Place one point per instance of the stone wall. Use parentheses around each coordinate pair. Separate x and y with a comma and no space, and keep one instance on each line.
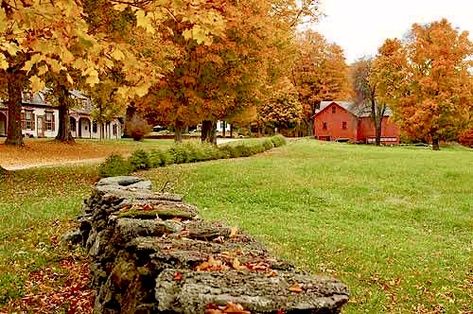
(151,253)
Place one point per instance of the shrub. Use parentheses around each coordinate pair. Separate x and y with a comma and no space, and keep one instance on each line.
(268,144)
(139,160)
(229,151)
(137,128)
(278,140)
(244,150)
(205,151)
(160,158)
(195,151)
(179,153)
(114,165)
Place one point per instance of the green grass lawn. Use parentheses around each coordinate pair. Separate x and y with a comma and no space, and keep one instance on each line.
(393,223)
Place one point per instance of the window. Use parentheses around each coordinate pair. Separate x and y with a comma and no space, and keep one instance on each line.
(94,127)
(27,120)
(334,109)
(49,121)
(324,126)
(344,125)
(28,96)
(115,130)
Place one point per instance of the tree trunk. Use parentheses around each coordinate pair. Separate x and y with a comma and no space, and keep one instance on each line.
(178,128)
(311,121)
(130,112)
(378,126)
(231,130)
(15,85)
(435,143)
(310,128)
(64,134)
(377,114)
(209,129)
(224,127)
(3,172)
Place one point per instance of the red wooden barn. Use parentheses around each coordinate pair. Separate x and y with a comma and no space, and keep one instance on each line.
(343,121)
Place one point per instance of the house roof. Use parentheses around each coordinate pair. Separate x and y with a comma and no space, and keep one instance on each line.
(357,110)
(39,99)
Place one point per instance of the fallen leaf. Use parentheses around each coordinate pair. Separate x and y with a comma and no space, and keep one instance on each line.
(178,276)
(233,232)
(296,288)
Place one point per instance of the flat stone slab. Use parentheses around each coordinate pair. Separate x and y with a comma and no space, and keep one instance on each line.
(119,181)
(192,292)
(152,253)
(129,229)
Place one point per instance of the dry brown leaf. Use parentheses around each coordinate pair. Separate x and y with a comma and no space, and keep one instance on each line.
(212,265)
(297,288)
(233,308)
(236,264)
(233,232)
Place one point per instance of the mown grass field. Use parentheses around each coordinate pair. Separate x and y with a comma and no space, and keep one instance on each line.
(395,224)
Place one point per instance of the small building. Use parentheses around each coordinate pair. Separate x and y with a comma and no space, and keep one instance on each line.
(343,121)
(39,119)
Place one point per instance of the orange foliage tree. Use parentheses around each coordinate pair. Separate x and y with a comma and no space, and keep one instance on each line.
(319,73)
(224,78)
(430,86)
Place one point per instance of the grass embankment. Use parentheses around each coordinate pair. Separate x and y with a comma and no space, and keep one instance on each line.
(393,223)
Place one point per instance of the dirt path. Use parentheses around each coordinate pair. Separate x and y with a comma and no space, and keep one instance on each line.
(22,166)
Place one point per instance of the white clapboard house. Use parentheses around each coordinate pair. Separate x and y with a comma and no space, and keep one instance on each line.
(40,119)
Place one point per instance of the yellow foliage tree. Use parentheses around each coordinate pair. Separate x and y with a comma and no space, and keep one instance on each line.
(319,73)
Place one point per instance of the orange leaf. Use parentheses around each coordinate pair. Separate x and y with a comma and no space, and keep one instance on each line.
(233,232)
(297,288)
(178,276)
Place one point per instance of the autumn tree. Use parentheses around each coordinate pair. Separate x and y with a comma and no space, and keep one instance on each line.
(366,98)
(210,82)
(221,79)
(319,73)
(107,104)
(283,110)
(433,93)
(33,47)
(89,40)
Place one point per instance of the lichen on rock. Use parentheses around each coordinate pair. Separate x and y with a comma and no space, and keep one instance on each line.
(151,253)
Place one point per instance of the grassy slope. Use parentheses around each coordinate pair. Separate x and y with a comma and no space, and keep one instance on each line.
(393,223)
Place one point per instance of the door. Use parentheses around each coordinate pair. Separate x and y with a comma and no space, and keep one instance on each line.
(40,126)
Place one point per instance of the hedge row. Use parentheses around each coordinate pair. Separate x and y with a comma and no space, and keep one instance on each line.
(187,152)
